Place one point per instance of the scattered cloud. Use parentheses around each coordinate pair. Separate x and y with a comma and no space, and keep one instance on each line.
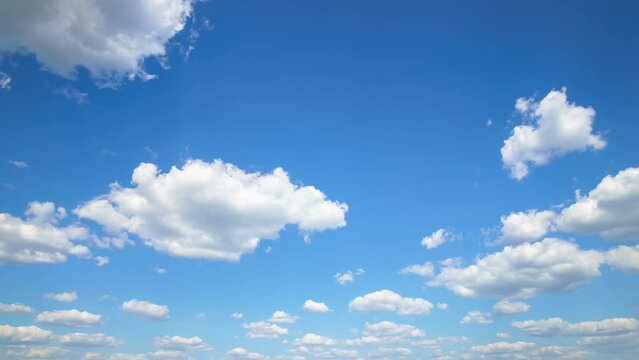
(15,308)
(426,269)
(19,164)
(73,94)
(281,317)
(214,211)
(181,343)
(66,35)
(314,306)
(24,335)
(264,330)
(237,315)
(146,309)
(37,239)
(440,237)
(161,271)
(5,81)
(84,339)
(349,276)
(389,301)
(101,260)
(558,326)
(506,307)
(558,128)
(69,318)
(476,317)
(62,297)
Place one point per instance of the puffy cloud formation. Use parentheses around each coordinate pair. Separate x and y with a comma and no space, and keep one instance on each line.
(314,339)
(37,238)
(264,330)
(212,210)
(281,317)
(70,318)
(99,36)
(237,315)
(610,210)
(502,347)
(146,309)
(426,269)
(36,352)
(526,226)
(523,271)
(438,238)
(476,317)
(623,257)
(389,353)
(558,326)
(506,307)
(23,335)
(349,276)
(559,127)
(62,297)
(84,339)
(181,343)
(314,306)
(386,300)
(15,308)
(243,354)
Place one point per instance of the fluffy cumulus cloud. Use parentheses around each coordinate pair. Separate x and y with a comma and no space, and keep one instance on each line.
(389,353)
(348,276)
(62,297)
(623,257)
(557,127)
(281,317)
(264,330)
(36,352)
(502,347)
(438,238)
(70,318)
(476,317)
(315,306)
(386,301)
(610,210)
(314,339)
(37,238)
(15,308)
(523,271)
(24,335)
(243,354)
(146,309)
(84,339)
(181,343)
(506,307)
(426,269)
(110,39)
(212,210)
(558,326)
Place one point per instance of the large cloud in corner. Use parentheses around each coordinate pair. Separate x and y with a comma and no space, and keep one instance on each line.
(109,38)
(211,210)
(560,127)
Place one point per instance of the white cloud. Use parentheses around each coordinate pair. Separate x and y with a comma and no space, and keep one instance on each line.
(623,257)
(503,335)
(62,297)
(506,307)
(264,330)
(502,347)
(110,39)
(70,318)
(101,260)
(160,271)
(73,94)
(439,237)
(386,300)
(146,309)
(442,306)
(558,326)
(559,128)
(314,306)
(23,335)
(36,352)
(84,339)
(19,163)
(611,210)
(243,354)
(37,239)
(15,308)
(526,226)
(314,339)
(281,317)
(476,317)
(181,343)
(426,269)
(237,315)
(5,81)
(389,353)
(348,276)
(523,271)
(212,210)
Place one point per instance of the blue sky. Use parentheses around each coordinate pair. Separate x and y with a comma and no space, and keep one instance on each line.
(240,157)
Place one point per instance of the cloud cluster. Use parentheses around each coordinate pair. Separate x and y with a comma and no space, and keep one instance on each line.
(212,210)
(315,306)
(181,343)
(62,297)
(559,127)
(386,301)
(70,318)
(146,309)
(264,330)
(348,276)
(38,238)
(438,238)
(112,44)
